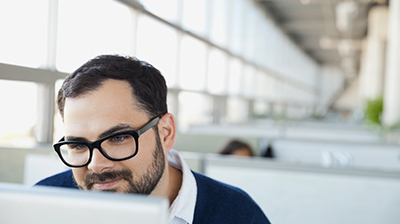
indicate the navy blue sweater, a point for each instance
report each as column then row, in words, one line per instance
column 216, row 202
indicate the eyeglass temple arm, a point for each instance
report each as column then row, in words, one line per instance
column 148, row 126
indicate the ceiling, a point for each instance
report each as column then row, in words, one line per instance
column 329, row 31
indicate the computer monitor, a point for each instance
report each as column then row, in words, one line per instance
column 20, row 205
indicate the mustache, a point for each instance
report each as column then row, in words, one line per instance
column 91, row 178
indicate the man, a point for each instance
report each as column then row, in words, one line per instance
column 119, row 137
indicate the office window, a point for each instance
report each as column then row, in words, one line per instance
column 172, row 103
column 265, row 86
column 195, row 16
column 192, row 64
column 58, row 132
column 261, row 108
column 291, row 71
column 297, row 112
column 261, row 52
column 23, row 26
column 309, row 71
column 279, row 88
column 248, row 81
column 279, row 52
column 219, row 24
column 217, row 72
column 157, row 44
column 290, row 93
column 251, row 20
column 309, row 98
column 194, row 109
column 237, row 110
column 236, row 26
column 85, row 31
column 270, row 48
column 279, row 110
column 261, row 85
column 235, row 76
column 166, row 9
column 301, row 96
column 18, row 112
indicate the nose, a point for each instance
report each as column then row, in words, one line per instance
column 99, row 163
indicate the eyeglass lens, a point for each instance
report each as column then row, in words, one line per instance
column 116, row 147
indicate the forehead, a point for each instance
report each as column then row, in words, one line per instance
column 242, row 151
column 111, row 104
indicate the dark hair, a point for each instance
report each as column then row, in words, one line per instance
column 147, row 83
column 269, row 152
column 234, row 146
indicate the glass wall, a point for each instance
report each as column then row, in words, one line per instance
column 18, row 114
column 223, row 56
column 23, row 39
column 81, row 35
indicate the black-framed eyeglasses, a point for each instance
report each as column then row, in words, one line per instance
column 116, row 147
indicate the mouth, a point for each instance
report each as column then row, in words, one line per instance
column 108, row 184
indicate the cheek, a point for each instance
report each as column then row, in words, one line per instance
column 79, row 174
column 139, row 162
column 143, row 158
column 147, row 144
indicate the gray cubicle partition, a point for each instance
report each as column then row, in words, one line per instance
column 333, row 145
column 13, row 161
column 336, row 153
column 301, row 194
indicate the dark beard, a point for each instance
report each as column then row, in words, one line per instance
column 144, row 185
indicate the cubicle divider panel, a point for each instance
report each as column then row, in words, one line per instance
column 12, row 162
column 301, row 194
column 336, row 153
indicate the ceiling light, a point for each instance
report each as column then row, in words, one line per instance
column 305, row 2
column 346, row 12
column 328, row 43
column 346, row 48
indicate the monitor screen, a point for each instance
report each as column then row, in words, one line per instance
column 20, row 204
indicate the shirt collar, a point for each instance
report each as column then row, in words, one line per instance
column 184, row 204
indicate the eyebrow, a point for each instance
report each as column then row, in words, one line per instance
column 110, row 131
column 115, row 129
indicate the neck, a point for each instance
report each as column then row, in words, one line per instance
column 175, row 183
column 169, row 184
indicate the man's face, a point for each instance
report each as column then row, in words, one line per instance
column 111, row 109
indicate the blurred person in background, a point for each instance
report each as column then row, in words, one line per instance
column 268, row 152
column 237, row 148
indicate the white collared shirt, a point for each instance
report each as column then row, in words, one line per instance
column 182, row 209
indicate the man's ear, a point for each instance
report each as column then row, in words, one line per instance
column 167, row 131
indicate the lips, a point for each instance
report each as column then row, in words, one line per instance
column 106, row 184
column 106, row 181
